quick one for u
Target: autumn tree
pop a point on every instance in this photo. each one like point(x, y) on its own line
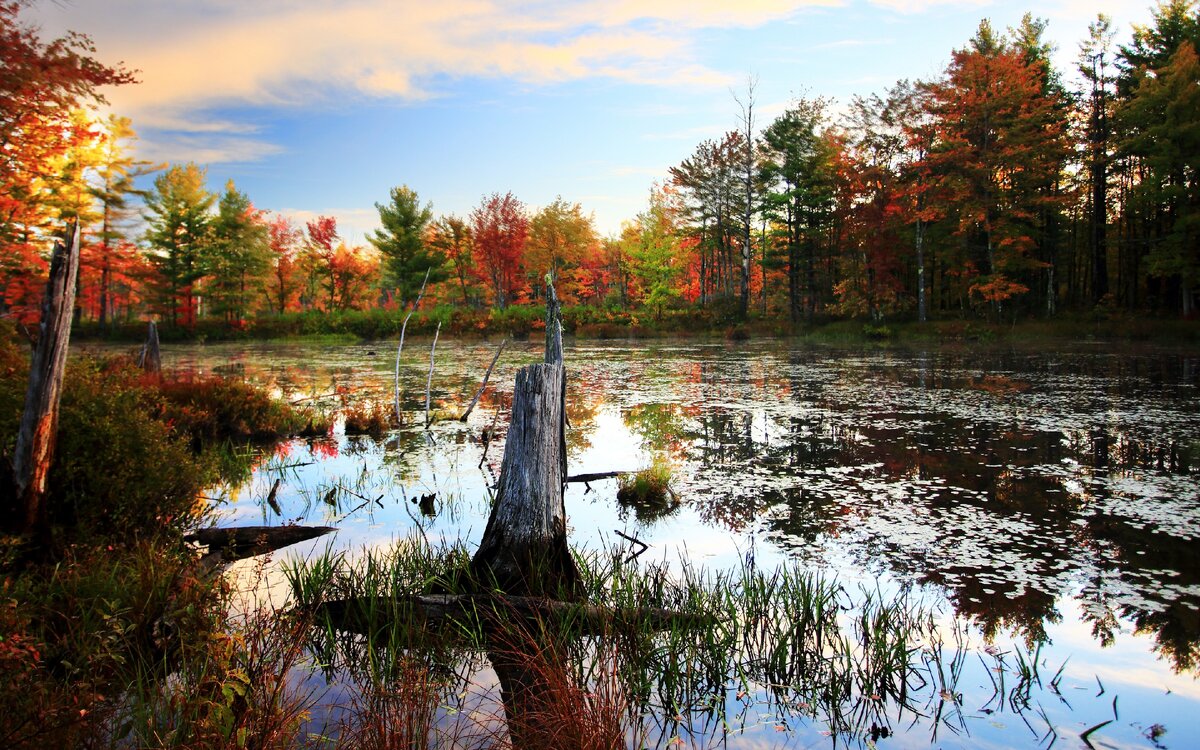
point(652, 245)
point(320, 251)
point(284, 241)
point(180, 236)
point(115, 189)
point(354, 272)
point(500, 228)
point(560, 237)
point(451, 237)
point(871, 195)
point(42, 88)
point(1001, 139)
point(406, 256)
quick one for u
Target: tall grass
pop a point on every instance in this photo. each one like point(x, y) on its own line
point(791, 636)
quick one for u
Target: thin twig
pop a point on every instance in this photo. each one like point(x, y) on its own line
point(633, 555)
point(483, 385)
point(400, 348)
point(429, 379)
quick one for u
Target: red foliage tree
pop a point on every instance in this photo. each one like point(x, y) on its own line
point(322, 250)
point(284, 285)
point(500, 227)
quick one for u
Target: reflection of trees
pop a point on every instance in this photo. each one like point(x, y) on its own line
point(1013, 486)
point(662, 427)
point(1164, 571)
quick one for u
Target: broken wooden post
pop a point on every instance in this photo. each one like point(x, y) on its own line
point(524, 548)
point(38, 430)
point(151, 357)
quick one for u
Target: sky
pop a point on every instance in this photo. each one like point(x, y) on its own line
point(320, 107)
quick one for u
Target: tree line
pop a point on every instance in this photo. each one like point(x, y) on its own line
point(995, 190)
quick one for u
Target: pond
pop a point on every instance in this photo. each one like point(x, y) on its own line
point(1044, 504)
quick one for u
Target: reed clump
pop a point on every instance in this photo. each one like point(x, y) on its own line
point(794, 637)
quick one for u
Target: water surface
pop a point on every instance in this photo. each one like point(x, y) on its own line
point(1035, 498)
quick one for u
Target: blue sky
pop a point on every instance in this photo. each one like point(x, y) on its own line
point(321, 106)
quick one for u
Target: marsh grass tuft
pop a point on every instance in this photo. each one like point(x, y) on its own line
point(648, 491)
point(372, 418)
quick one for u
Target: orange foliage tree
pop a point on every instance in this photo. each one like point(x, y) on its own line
point(1001, 138)
point(42, 84)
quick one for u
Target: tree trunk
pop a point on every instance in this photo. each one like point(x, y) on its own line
point(524, 548)
point(38, 430)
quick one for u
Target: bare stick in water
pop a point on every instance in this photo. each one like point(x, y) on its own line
point(400, 348)
point(429, 380)
point(486, 375)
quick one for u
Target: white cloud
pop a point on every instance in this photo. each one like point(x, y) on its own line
point(353, 223)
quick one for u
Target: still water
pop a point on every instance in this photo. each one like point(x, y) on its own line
point(1044, 503)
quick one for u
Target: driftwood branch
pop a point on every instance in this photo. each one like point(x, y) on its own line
point(429, 379)
point(483, 385)
point(400, 348)
point(271, 501)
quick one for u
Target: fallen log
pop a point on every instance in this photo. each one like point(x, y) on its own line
point(595, 477)
point(368, 615)
point(240, 542)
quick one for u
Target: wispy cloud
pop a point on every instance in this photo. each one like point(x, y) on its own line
point(924, 6)
point(847, 44)
point(205, 149)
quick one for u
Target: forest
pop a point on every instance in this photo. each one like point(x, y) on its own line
point(1004, 189)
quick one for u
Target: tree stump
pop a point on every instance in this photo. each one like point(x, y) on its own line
point(524, 548)
point(38, 430)
point(151, 358)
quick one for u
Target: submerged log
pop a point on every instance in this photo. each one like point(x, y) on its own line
point(38, 430)
point(367, 615)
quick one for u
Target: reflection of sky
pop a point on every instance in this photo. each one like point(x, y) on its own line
point(976, 478)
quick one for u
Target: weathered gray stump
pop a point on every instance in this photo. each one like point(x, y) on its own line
point(38, 430)
point(151, 359)
point(524, 548)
